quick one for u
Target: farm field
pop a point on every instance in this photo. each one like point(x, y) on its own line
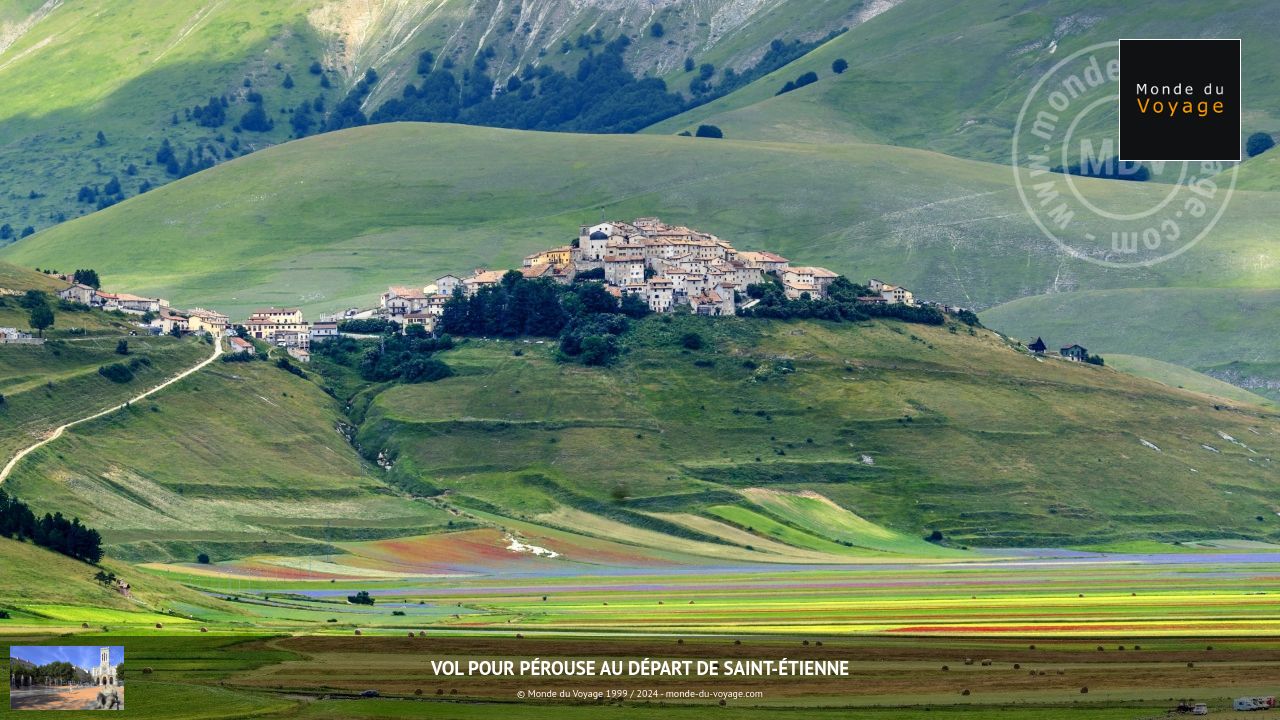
point(1150, 629)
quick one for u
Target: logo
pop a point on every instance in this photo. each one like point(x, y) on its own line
point(1095, 206)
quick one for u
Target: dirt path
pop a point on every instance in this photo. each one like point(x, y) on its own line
point(57, 432)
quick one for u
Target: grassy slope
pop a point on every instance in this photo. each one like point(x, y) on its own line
point(32, 577)
point(328, 221)
point(45, 386)
point(1233, 324)
point(952, 77)
point(125, 68)
point(241, 457)
point(1178, 376)
point(994, 447)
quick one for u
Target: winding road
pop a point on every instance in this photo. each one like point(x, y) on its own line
point(57, 432)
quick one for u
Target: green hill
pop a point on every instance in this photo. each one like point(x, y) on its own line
point(329, 221)
point(910, 427)
point(952, 77)
point(798, 441)
point(1197, 328)
point(39, 587)
point(46, 385)
point(238, 458)
point(1178, 376)
point(135, 71)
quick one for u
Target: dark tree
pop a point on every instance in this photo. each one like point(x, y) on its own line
point(656, 30)
point(691, 341)
point(288, 82)
point(256, 120)
point(839, 66)
point(315, 68)
point(1258, 143)
point(122, 347)
point(102, 139)
point(202, 558)
point(709, 131)
point(41, 317)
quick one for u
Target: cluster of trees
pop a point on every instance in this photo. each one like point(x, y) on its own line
point(366, 326)
point(840, 305)
point(601, 96)
point(808, 78)
point(347, 113)
point(1110, 169)
point(123, 372)
point(40, 313)
point(779, 53)
point(195, 161)
point(54, 673)
point(87, 277)
point(54, 532)
point(584, 316)
point(360, 598)
point(7, 232)
point(406, 358)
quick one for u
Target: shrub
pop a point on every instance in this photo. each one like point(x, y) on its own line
point(691, 341)
point(122, 347)
point(709, 131)
point(1258, 143)
point(116, 372)
point(202, 558)
point(360, 598)
point(839, 66)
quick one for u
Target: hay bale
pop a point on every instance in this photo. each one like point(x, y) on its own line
point(411, 633)
point(519, 636)
point(422, 633)
point(147, 671)
point(986, 662)
point(84, 625)
point(680, 641)
point(737, 642)
point(818, 643)
point(1120, 647)
point(439, 691)
point(204, 629)
point(159, 626)
point(1031, 647)
point(357, 632)
point(1017, 666)
point(1084, 690)
point(418, 691)
point(968, 661)
point(1191, 664)
point(965, 691)
point(1137, 647)
point(945, 668)
point(805, 643)
point(1101, 649)
point(1210, 647)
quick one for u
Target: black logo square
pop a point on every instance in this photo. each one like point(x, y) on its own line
point(1180, 100)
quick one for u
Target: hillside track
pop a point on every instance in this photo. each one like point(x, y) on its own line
point(57, 432)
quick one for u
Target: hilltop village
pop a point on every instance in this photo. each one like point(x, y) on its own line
point(668, 266)
point(671, 268)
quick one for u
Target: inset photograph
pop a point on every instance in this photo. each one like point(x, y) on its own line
point(66, 677)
